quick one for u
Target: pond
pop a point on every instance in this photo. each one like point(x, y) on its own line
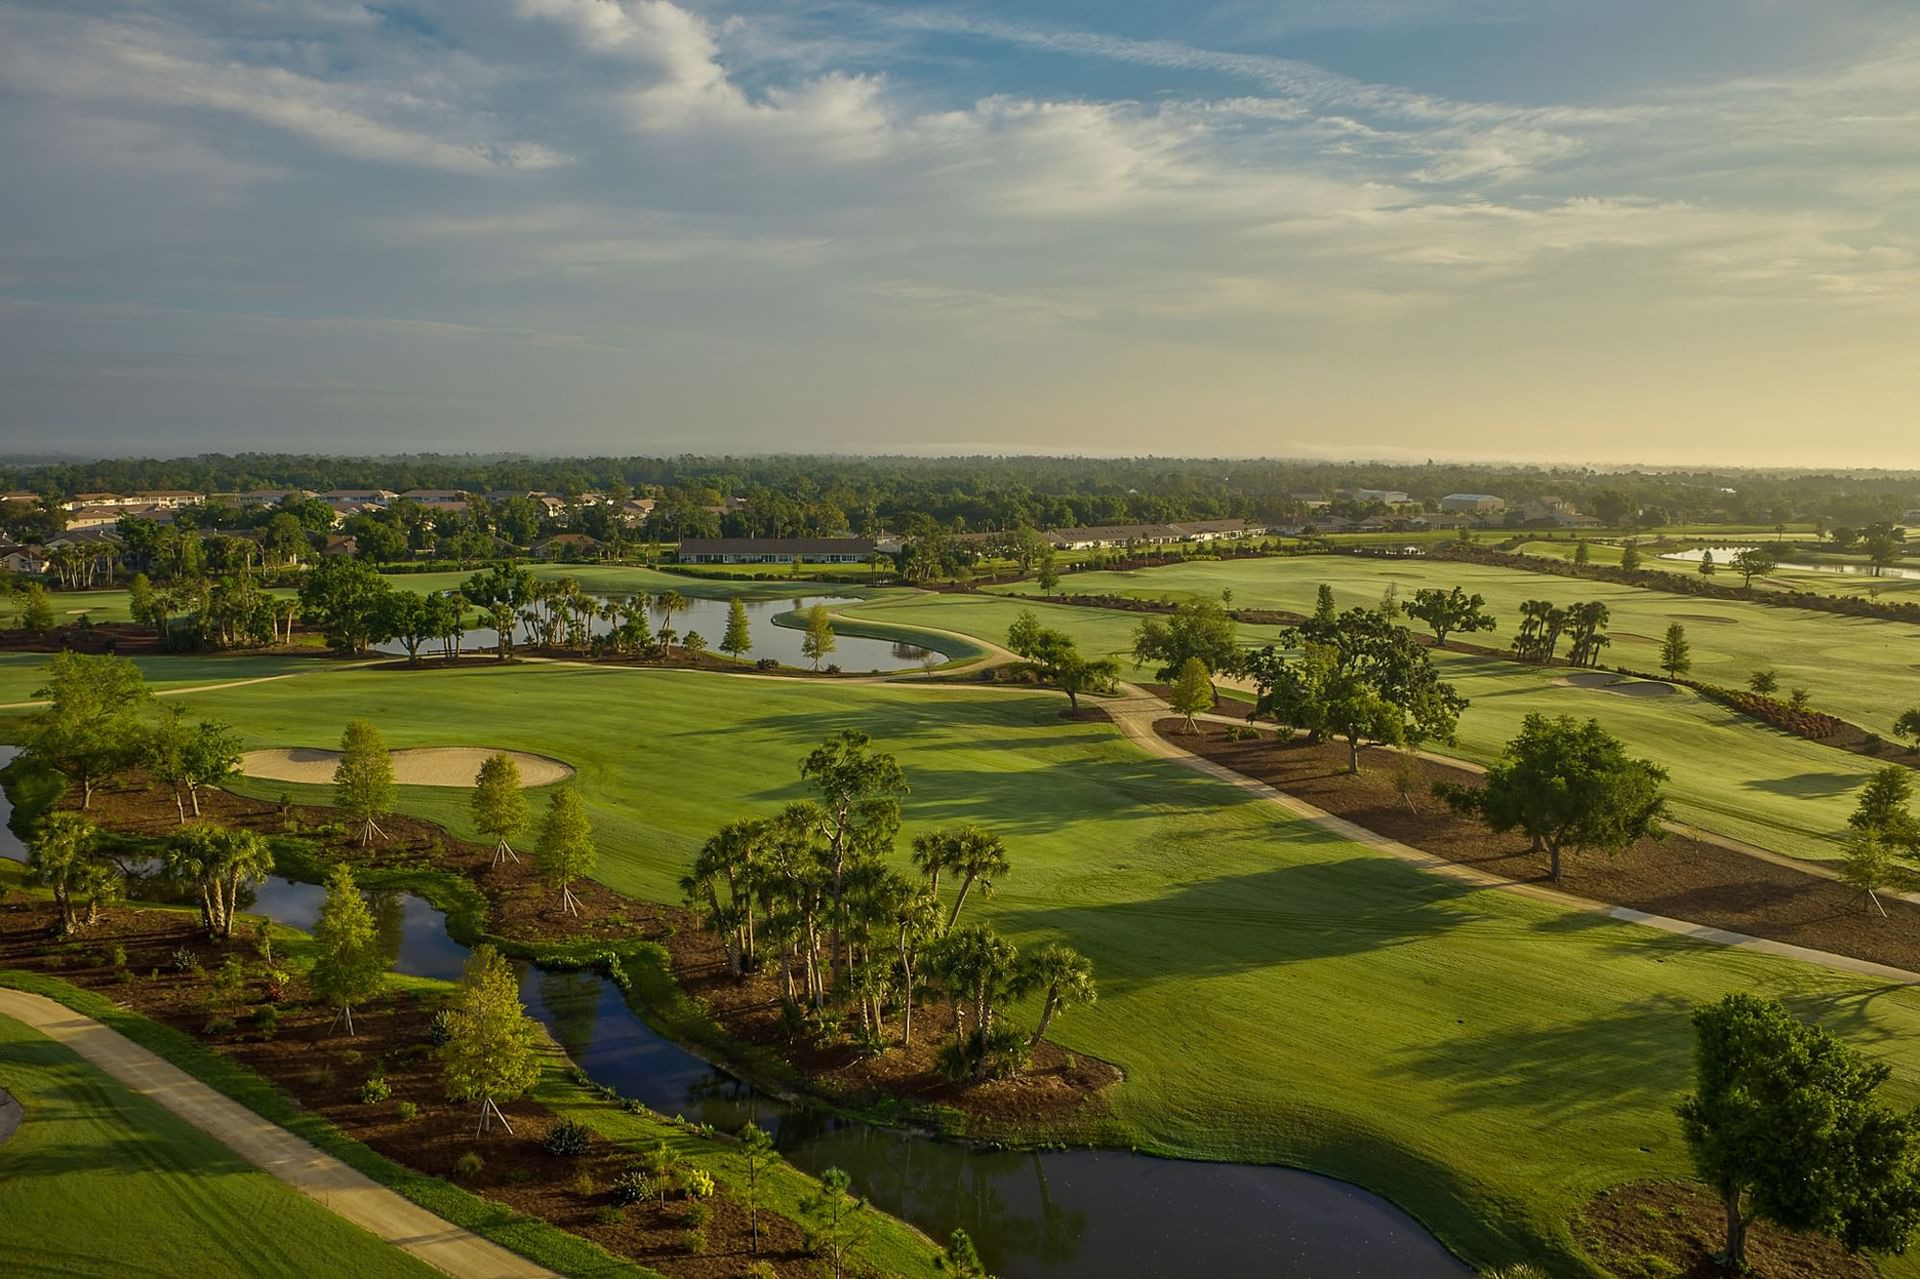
point(10, 845)
point(1723, 559)
point(1071, 1214)
point(782, 643)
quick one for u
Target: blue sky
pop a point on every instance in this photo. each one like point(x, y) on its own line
point(1479, 228)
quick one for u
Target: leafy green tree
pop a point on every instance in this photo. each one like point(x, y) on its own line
point(1324, 608)
point(1885, 808)
point(1053, 656)
point(60, 856)
point(1357, 711)
point(1198, 629)
point(737, 640)
point(1630, 555)
point(694, 644)
point(499, 805)
point(142, 605)
point(499, 593)
point(835, 1220)
point(1676, 654)
point(363, 785)
point(1582, 553)
point(492, 1050)
point(36, 614)
point(1867, 866)
point(1706, 564)
point(1908, 726)
point(566, 851)
point(1568, 786)
point(188, 758)
point(1783, 1125)
point(347, 599)
point(1192, 691)
point(1754, 561)
point(818, 641)
point(1446, 612)
point(979, 970)
point(1049, 575)
point(1588, 623)
point(89, 731)
point(1765, 683)
point(1883, 545)
point(1063, 976)
point(757, 1153)
point(349, 963)
point(409, 618)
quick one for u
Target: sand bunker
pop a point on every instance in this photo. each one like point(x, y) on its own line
point(1608, 683)
point(426, 766)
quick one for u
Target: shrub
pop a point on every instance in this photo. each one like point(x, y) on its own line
point(219, 1025)
point(266, 1021)
point(275, 989)
point(632, 1106)
point(584, 1184)
point(117, 956)
point(695, 1242)
point(694, 1215)
point(610, 1214)
point(441, 1028)
point(231, 977)
point(351, 1057)
point(469, 1165)
point(184, 960)
point(632, 1187)
point(760, 1270)
point(568, 1138)
point(407, 1112)
point(376, 1090)
point(697, 1183)
point(766, 664)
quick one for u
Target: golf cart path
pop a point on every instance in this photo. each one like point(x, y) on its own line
point(1135, 711)
point(271, 1148)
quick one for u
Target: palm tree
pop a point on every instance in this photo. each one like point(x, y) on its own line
point(669, 603)
point(981, 858)
point(60, 857)
point(1064, 974)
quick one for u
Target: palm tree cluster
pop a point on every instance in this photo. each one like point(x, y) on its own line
point(219, 861)
point(857, 941)
point(1543, 622)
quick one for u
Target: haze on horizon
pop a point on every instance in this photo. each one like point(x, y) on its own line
point(1529, 229)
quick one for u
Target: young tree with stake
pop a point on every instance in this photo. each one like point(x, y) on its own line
point(499, 805)
point(491, 1054)
point(818, 641)
point(757, 1152)
point(1192, 692)
point(363, 779)
point(349, 966)
point(566, 852)
point(737, 640)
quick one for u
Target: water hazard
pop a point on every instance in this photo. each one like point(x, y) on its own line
point(781, 643)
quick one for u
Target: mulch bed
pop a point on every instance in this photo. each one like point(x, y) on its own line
point(1673, 1229)
point(1677, 876)
point(1058, 1092)
point(324, 1069)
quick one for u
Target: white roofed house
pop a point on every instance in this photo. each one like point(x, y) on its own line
point(1472, 504)
point(340, 499)
point(437, 499)
point(1213, 530)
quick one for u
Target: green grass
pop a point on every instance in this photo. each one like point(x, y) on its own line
point(1861, 669)
point(529, 1236)
point(1274, 993)
point(102, 1181)
point(22, 673)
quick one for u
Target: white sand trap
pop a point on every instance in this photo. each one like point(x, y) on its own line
point(424, 766)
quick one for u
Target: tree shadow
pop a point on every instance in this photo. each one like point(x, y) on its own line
point(1232, 924)
point(1807, 785)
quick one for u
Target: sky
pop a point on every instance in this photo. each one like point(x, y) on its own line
point(1633, 231)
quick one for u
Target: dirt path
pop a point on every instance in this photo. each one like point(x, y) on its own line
point(1136, 711)
point(320, 1177)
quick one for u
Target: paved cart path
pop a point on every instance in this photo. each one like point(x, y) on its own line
point(271, 1148)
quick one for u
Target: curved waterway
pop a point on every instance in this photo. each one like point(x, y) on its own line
point(1077, 1214)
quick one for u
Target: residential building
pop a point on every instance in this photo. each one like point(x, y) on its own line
point(1385, 497)
point(635, 510)
point(255, 498)
point(19, 495)
point(438, 499)
point(1213, 530)
point(23, 560)
point(569, 546)
point(1472, 504)
point(1911, 516)
point(358, 498)
point(1105, 535)
point(340, 544)
point(167, 499)
point(776, 550)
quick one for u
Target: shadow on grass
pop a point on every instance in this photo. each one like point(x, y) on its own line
point(1807, 785)
point(1231, 924)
